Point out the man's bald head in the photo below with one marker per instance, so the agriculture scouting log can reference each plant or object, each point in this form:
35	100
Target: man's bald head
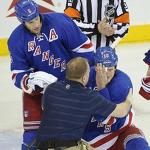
77	68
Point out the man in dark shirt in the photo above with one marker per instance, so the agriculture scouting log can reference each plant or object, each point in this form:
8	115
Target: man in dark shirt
69	105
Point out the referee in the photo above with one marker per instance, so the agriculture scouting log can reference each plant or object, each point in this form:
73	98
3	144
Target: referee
103	21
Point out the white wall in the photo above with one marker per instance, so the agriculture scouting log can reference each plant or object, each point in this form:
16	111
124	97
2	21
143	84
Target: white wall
138	12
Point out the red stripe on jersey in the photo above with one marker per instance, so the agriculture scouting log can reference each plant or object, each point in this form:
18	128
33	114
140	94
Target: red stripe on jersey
113	135
89	45
146	80
111	121
144	94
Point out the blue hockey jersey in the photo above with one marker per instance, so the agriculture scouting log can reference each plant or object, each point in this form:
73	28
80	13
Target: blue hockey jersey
60	40
101	133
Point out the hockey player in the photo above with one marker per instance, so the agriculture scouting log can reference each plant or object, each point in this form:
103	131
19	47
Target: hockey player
112	133
39	48
145	87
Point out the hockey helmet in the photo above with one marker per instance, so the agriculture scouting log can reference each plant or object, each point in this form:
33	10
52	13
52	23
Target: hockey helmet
26	10
106	56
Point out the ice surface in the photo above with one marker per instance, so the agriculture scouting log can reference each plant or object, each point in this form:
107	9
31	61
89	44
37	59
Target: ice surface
130	61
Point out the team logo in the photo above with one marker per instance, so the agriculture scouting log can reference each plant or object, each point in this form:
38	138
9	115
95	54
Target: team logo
106	55
52	35
109	12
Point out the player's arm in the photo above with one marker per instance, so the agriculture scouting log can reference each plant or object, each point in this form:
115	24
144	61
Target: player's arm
19	65
73	9
123	108
85	50
107	108
120	110
121	21
75	41
23	75
32	82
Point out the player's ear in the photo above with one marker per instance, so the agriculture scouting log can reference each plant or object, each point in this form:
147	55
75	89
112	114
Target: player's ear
85	78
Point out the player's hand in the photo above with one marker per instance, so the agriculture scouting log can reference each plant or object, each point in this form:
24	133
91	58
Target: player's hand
105	28
101	77
38	79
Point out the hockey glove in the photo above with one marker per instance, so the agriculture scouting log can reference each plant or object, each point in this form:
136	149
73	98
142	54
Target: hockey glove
36	81
145	88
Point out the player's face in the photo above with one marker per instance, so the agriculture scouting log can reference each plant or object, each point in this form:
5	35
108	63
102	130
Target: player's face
110	73
34	25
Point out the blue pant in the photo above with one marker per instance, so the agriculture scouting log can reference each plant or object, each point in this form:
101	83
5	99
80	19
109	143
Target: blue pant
28	139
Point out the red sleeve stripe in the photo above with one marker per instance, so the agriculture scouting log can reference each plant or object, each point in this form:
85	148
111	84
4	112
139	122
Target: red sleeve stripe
111	121
145	84
144	94
85	47
89	45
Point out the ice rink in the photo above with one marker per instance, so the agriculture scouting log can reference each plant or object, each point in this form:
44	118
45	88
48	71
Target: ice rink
130	60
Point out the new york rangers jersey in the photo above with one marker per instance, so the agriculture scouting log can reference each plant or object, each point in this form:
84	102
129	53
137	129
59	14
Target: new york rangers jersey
60	40
101	133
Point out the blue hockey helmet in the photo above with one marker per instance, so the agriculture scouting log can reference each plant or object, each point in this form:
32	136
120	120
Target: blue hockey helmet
106	56
26	10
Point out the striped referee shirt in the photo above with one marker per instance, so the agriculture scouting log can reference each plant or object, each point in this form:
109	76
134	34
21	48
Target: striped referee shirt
86	14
